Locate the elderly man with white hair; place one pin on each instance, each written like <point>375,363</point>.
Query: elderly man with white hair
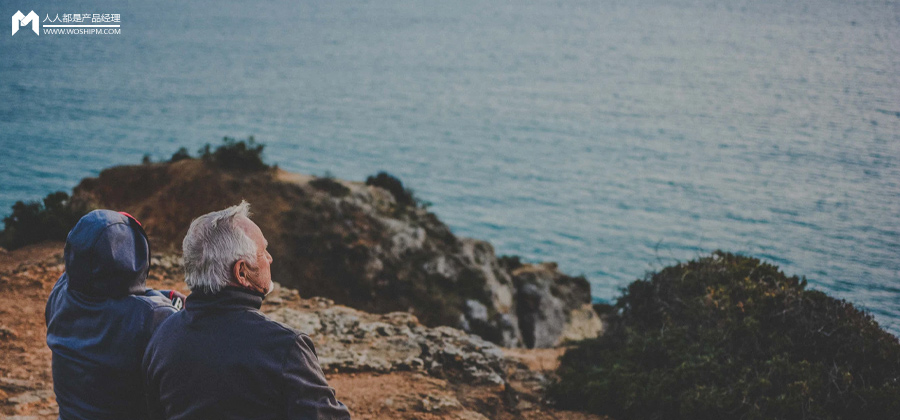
<point>221,358</point>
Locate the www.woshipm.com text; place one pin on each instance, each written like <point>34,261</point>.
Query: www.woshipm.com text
<point>82,31</point>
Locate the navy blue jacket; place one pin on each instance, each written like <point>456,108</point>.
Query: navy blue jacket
<point>221,358</point>
<point>100,317</point>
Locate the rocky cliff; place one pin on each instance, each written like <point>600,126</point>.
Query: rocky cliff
<point>383,366</point>
<point>361,246</point>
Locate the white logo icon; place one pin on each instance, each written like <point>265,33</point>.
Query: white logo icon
<point>19,20</point>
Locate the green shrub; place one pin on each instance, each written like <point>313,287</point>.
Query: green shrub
<point>181,154</point>
<point>329,185</point>
<point>729,337</point>
<point>235,155</point>
<point>37,221</point>
<point>403,196</point>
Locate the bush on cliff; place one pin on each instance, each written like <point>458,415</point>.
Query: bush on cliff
<point>403,196</point>
<point>329,185</point>
<point>181,154</point>
<point>37,221</point>
<point>235,155</point>
<point>729,337</point>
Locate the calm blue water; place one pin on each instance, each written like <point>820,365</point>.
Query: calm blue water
<point>614,137</point>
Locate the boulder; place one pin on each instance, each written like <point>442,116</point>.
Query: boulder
<point>553,307</point>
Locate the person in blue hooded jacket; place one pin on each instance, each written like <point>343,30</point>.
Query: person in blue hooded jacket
<point>100,316</point>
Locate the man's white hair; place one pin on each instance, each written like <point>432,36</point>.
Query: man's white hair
<point>213,244</point>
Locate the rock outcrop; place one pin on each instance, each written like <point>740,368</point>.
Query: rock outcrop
<point>360,246</point>
<point>353,341</point>
<point>553,307</point>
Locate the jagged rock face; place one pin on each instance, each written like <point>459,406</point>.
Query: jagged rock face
<point>348,340</point>
<point>357,246</point>
<point>553,307</point>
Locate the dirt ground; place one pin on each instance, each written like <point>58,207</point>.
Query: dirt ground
<point>26,384</point>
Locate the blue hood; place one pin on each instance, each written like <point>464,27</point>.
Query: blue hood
<point>107,255</point>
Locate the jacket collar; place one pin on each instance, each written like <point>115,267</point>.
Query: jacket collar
<point>230,297</point>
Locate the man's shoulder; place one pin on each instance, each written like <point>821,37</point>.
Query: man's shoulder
<point>275,340</point>
<point>271,327</point>
<point>251,327</point>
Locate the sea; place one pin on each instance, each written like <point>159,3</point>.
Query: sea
<point>615,137</point>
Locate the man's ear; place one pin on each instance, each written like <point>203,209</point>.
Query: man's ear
<point>240,273</point>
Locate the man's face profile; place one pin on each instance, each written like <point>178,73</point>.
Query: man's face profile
<point>257,276</point>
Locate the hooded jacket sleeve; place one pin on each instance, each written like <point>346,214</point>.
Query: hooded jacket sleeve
<point>306,392</point>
